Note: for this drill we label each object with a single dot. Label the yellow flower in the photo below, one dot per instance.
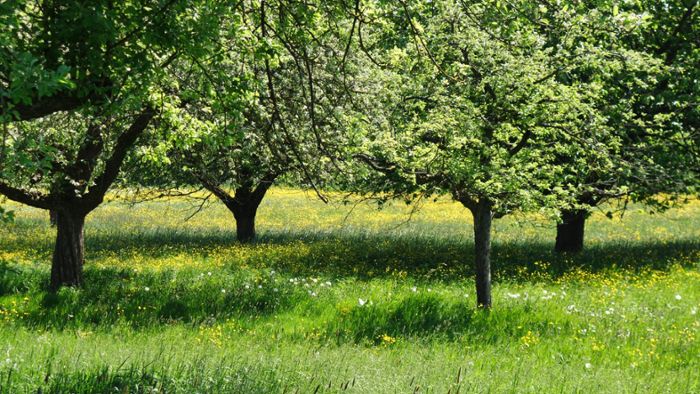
(387, 340)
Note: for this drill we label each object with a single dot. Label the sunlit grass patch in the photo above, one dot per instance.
(370, 303)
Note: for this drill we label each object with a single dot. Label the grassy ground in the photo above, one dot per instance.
(367, 303)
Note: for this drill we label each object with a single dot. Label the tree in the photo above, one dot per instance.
(265, 107)
(650, 103)
(80, 85)
(474, 107)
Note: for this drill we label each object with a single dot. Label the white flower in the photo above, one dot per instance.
(361, 301)
(209, 273)
(313, 294)
(223, 290)
(414, 289)
(259, 286)
(589, 365)
(513, 295)
(147, 288)
(678, 297)
(328, 284)
(694, 311)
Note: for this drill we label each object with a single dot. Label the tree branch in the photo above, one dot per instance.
(124, 143)
(33, 199)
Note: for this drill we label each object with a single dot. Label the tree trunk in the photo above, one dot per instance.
(570, 231)
(245, 221)
(52, 218)
(483, 217)
(67, 263)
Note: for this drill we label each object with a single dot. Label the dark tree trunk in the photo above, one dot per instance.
(245, 221)
(570, 231)
(52, 217)
(67, 263)
(483, 218)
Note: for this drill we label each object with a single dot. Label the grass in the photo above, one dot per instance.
(367, 303)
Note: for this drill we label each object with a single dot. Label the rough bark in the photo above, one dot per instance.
(245, 222)
(570, 231)
(69, 250)
(483, 218)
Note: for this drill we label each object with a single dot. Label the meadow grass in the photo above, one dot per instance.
(366, 302)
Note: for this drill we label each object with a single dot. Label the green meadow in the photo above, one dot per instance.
(341, 298)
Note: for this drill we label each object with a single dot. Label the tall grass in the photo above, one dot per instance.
(367, 303)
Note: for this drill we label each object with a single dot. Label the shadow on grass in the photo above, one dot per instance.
(145, 379)
(140, 300)
(429, 315)
(369, 255)
(194, 296)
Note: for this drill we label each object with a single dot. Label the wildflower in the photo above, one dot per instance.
(694, 311)
(387, 340)
(678, 297)
(414, 289)
(513, 295)
(147, 288)
(589, 365)
(209, 273)
(223, 291)
(361, 301)
(529, 339)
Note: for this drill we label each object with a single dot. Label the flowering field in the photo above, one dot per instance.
(334, 298)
